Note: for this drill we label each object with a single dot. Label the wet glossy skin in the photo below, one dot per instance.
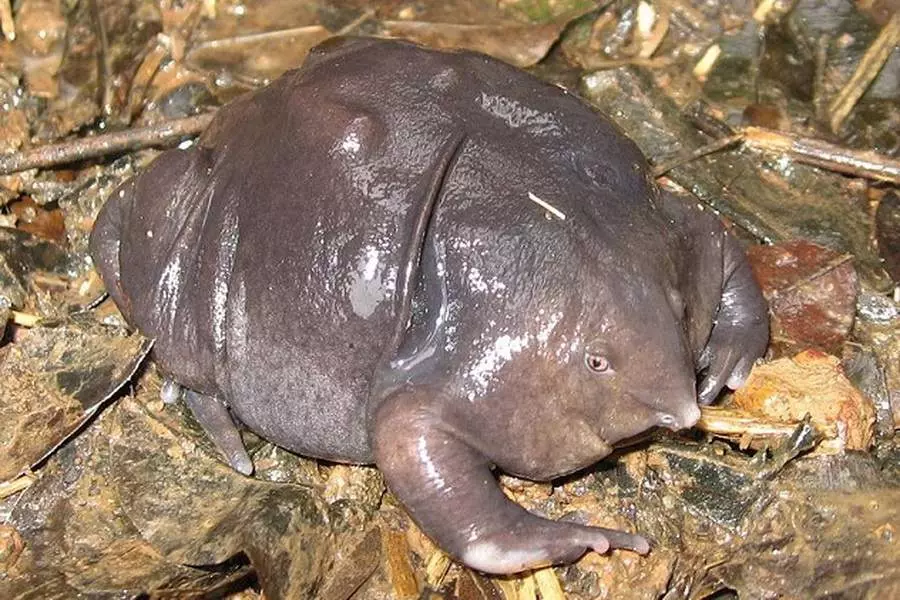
(437, 263)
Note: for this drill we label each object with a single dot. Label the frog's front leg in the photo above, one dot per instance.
(740, 334)
(449, 490)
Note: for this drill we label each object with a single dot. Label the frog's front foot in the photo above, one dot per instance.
(449, 490)
(740, 334)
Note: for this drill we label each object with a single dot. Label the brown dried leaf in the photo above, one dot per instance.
(40, 39)
(11, 546)
(811, 382)
(36, 220)
(52, 381)
(354, 564)
(202, 512)
(811, 292)
(258, 57)
(519, 44)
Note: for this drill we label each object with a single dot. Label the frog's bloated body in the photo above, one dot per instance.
(435, 262)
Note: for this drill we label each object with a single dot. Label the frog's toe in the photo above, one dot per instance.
(170, 392)
(626, 541)
(721, 361)
(216, 421)
(740, 373)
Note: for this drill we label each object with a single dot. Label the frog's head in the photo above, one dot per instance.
(628, 364)
(589, 334)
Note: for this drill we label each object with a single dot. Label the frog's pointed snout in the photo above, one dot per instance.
(686, 418)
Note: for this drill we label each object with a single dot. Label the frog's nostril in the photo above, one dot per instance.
(669, 422)
(688, 418)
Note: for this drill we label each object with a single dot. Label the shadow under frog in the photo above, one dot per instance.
(437, 263)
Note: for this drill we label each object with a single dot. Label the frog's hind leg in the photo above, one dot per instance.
(216, 421)
(449, 490)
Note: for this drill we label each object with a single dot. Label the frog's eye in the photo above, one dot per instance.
(597, 363)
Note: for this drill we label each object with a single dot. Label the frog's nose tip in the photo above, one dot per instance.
(686, 419)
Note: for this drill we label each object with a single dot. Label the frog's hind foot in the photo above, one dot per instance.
(216, 421)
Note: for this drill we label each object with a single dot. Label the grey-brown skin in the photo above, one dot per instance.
(435, 262)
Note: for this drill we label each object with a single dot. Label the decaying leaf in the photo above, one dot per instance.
(811, 383)
(260, 57)
(811, 292)
(519, 44)
(51, 381)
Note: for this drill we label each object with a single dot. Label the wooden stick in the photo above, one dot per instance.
(866, 72)
(54, 155)
(8, 488)
(720, 144)
(858, 163)
(24, 319)
(7, 25)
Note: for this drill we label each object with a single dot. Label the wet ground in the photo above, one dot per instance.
(782, 117)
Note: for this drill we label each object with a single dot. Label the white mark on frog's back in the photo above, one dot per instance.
(479, 283)
(350, 144)
(169, 286)
(370, 285)
(495, 355)
(371, 266)
(224, 265)
(444, 79)
(517, 114)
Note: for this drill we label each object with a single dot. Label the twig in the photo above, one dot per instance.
(872, 62)
(715, 146)
(24, 319)
(547, 206)
(810, 151)
(7, 25)
(436, 569)
(253, 38)
(731, 422)
(763, 10)
(548, 584)
(858, 163)
(53, 155)
(706, 62)
(652, 27)
(356, 23)
(103, 69)
(8, 488)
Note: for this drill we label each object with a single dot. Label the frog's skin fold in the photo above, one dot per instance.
(435, 262)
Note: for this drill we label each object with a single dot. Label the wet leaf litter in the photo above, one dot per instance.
(137, 500)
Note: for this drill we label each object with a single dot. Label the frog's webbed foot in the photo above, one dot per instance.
(216, 421)
(741, 331)
(449, 490)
